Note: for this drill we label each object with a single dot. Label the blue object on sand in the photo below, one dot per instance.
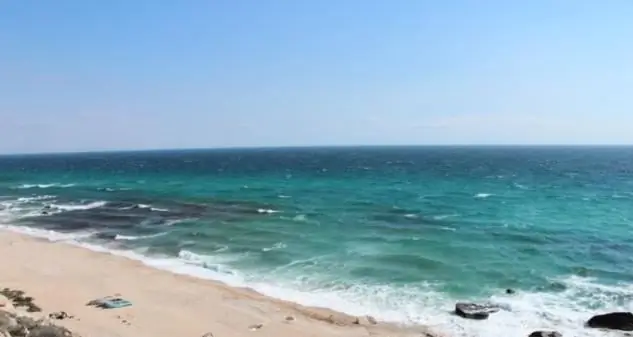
(112, 303)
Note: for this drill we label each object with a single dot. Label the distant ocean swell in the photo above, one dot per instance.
(400, 245)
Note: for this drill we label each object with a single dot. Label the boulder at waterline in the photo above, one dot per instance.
(475, 311)
(614, 320)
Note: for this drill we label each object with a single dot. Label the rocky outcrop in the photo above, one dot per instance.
(475, 311)
(50, 331)
(17, 320)
(19, 299)
(546, 334)
(14, 325)
(8, 321)
(614, 320)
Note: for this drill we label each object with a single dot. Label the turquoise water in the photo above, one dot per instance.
(398, 233)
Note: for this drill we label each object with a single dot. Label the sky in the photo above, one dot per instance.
(81, 75)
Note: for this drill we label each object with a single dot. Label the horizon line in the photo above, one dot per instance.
(234, 148)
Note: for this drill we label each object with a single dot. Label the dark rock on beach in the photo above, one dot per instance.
(546, 334)
(33, 308)
(15, 323)
(7, 321)
(475, 311)
(12, 325)
(27, 322)
(49, 331)
(614, 320)
(510, 291)
(60, 315)
(19, 300)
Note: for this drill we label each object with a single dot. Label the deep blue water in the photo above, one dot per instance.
(399, 233)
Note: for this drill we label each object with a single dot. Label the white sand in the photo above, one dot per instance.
(64, 277)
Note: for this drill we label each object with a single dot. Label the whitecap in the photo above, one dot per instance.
(267, 211)
(154, 209)
(444, 216)
(482, 195)
(36, 198)
(174, 222)
(58, 185)
(300, 218)
(139, 237)
(276, 246)
(91, 205)
(207, 259)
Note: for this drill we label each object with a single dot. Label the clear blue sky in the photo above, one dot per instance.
(120, 74)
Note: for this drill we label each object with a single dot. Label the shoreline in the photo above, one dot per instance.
(64, 277)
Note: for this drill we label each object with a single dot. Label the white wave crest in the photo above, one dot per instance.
(56, 185)
(37, 198)
(154, 209)
(300, 218)
(267, 211)
(48, 234)
(139, 237)
(444, 216)
(521, 187)
(482, 195)
(276, 246)
(174, 222)
(91, 205)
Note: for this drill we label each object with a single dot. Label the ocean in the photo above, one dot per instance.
(399, 233)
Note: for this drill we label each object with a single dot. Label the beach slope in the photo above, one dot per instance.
(63, 277)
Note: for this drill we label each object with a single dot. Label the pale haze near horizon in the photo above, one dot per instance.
(122, 75)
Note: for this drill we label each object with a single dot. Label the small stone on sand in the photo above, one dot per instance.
(255, 327)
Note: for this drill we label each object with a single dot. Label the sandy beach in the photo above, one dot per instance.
(62, 277)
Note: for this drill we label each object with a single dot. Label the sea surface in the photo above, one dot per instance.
(399, 233)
